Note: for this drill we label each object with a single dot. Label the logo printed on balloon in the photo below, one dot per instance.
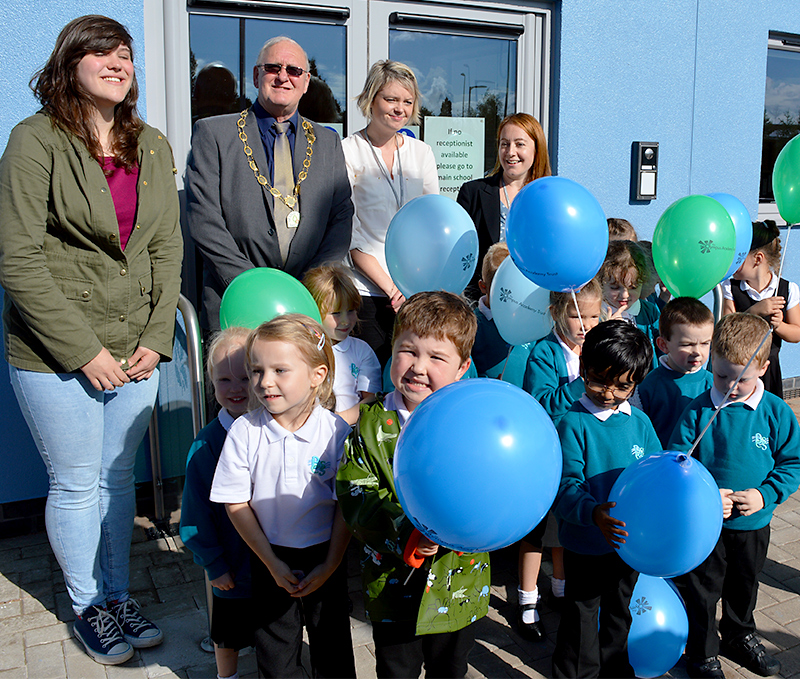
(468, 261)
(507, 295)
(706, 246)
(641, 606)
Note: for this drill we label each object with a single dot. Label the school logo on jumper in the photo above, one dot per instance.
(641, 606)
(637, 452)
(354, 370)
(762, 442)
(318, 466)
(468, 260)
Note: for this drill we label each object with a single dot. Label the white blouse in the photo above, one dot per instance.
(375, 200)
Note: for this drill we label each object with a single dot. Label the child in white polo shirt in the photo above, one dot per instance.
(276, 475)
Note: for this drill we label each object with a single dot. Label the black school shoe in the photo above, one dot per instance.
(750, 653)
(531, 631)
(709, 668)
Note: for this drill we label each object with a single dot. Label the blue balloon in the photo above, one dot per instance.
(477, 465)
(557, 233)
(431, 244)
(660, 627)
(743, 225)
(520, 308)
(672, 511)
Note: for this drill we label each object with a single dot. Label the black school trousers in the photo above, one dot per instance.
(400, 653)
(729, 573)
(599, 587)
(279, 619)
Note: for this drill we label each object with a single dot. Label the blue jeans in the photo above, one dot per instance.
(88, 440)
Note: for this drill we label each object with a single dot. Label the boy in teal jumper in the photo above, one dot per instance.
(752, 450)
(421, 598)
(600, 436)
(684, 329)
(492, 356)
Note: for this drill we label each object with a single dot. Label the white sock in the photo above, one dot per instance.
(557, 587)
(235, 675)
(531, 615)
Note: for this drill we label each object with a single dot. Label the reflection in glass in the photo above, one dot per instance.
(462, 76)
(222, 75)
(781, 112)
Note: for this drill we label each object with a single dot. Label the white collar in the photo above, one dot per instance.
(344, 345)
(485, 310)
(751, 401)
(766, 293)
(275, 432)
(394, 401)
(564, 346)
(225, 419)
(603, 414)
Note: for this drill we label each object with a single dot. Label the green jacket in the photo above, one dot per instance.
(449, 591)
(69, 288)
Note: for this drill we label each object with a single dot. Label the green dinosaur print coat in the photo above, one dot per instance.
(450, 590)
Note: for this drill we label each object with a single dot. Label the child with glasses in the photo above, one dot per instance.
(600, 436)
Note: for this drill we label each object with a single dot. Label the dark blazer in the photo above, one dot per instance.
(230, 214)
(481, 199)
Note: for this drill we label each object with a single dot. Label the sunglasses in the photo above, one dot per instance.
(275, 69)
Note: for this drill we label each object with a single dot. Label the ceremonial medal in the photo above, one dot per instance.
(293, 220)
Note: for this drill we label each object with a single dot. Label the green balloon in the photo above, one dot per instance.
(258, 295)
(786, 181)
(693, 245)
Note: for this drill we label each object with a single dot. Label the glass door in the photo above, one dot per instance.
(224, 48)
(469, 64)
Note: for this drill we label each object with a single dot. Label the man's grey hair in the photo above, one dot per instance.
(275, 41)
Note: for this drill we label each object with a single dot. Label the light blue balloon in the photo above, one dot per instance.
(431, 244)
(659, 629)
(477, 465)
(672, 511)
(743, 225)
(519, 306)
(557, 233)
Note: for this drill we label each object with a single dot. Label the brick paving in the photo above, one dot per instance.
(36, 617)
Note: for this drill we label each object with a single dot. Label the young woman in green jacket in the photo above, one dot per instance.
(90, 256)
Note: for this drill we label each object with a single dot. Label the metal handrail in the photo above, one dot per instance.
(194, 360)
(718, 301)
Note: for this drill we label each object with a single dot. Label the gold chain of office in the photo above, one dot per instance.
(289, 201)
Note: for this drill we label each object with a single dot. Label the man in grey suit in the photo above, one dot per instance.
(261, 193)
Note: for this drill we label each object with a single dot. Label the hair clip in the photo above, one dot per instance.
(318, 335)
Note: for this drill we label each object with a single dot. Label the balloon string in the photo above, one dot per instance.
(785, 250)
(503, 371)
(575, 299)
(732, 387)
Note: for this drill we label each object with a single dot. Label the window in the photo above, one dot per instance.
(781, 104)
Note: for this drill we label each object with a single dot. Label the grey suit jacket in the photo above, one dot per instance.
(230, 214)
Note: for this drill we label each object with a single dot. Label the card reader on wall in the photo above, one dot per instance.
(645, 155)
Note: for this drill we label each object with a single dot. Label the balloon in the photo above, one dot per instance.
(431, 244)
(519, 306)
(743, 226)
(672, 511)
(786, 181)
(477, 465)
(557, 233)
(693, 245)
(660, 627)
(258, 295)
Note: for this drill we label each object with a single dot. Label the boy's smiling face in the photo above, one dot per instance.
(421, 365)
(688, 346)
(726, 372)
